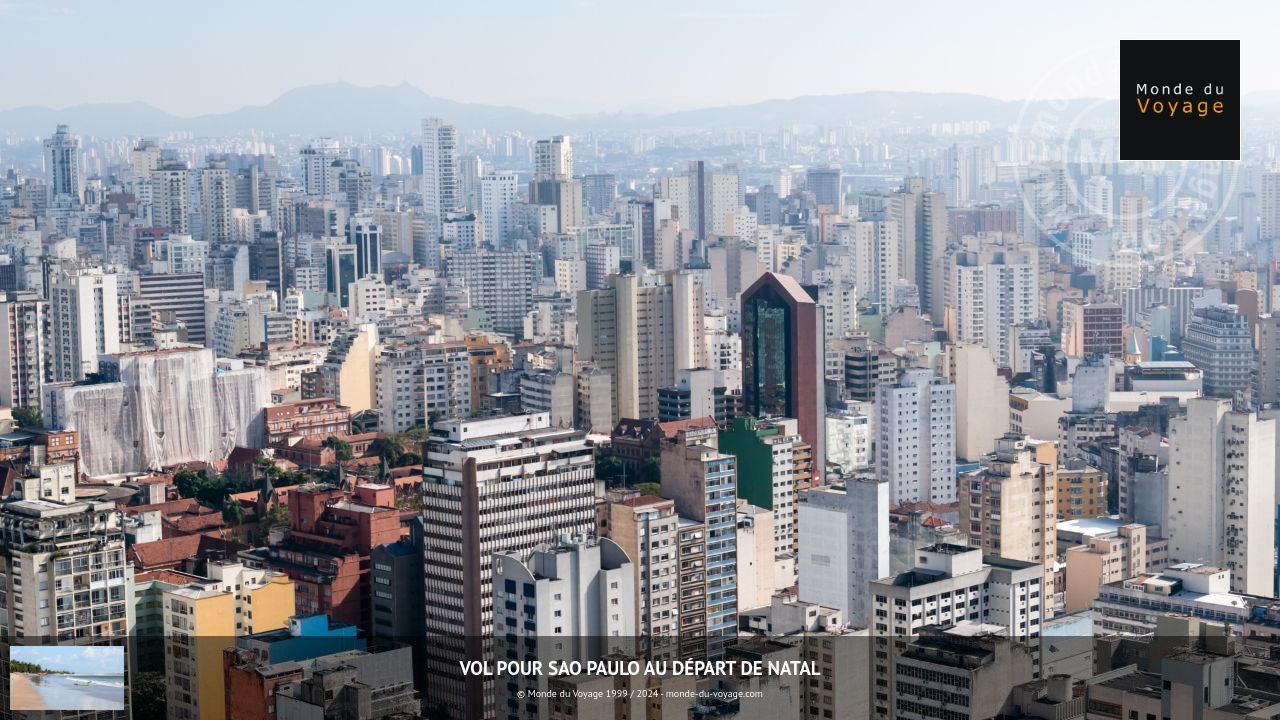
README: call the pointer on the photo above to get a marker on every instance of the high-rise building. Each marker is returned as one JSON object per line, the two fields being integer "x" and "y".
{"x": 499, "y": 193}
{"x": 1269, "y": 207}
{"x": 1008, "y": 506}
{"x": 440, "y": 192}
{"x": 202, "y": 616}
{"x": 782, "y": 357}
{"x": 642, "y": 330}
{"x": 366, "y": 236}
{"x": 62, "y": 162}
{"x": 417, "y": 384}
{"x": 948, "y": 585}
{"x": 772, "y": 463}
{"x": 54, "y": 546}
{"x": 921, "y": 219}
{"x": 1221, "y": 506}
{"x": 844, "y": 544}
{"x": 499, "y": 283}
{"x": 317, "y": 160}
{"x": 500, "y": 484}
{"x": 583, "y": 590}
{"x": 340, "y": 272}
{"x": 84, "y": 321}
{"x": 982, "y": 406}
{"x": 1092, "y": 328}
{"x": 702, "y": 482}
{"x": 170, "y": 204}
{"x": 217, "y": 197}
{"x": 824, "y": 184}
{"x": 1099, "y": 198}
{"x": 1266, "y": 388}
{"x": 177, "y": 297}
{"x": 599, "y": 191}
{"x": 24, "y": 341}
{"x": 1218, "y": 340}
{"x": 916, "y": 448}
{"x": 993, "y": 287}
{"x": 647, "y": 527}
{"x": 553, "y": 158}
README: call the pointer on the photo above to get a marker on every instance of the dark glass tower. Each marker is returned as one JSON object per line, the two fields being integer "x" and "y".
{"x": 782, "y": 358}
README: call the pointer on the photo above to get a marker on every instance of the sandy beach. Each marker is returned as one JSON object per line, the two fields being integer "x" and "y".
{"x": 23, "y": 694}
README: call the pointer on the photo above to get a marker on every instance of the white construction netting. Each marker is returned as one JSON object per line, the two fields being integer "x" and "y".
{"x": 169, "y": 407}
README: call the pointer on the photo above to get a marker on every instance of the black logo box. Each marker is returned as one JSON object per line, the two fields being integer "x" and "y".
{"x": 1187, "y": 68}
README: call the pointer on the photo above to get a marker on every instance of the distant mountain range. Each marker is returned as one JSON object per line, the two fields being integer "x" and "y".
{"x": 345, "y": 109}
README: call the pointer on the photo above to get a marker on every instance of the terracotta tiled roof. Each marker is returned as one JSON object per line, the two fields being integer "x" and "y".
{"x": 167, "y": 553}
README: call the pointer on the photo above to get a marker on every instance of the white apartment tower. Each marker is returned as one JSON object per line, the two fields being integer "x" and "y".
{"x": 439, "y": 173}
{"x": 916, "y": 452}
{"x": 993, "y": 287}
{"x": 844, "y": 544}
{"x": 24, "y": 365}
{"x": 553, "y": 158}
{"x": 84, "y": 321}
{"x": 62, "y": 161}
{"x": 1220, "y": 506}
{"x": 499, "y": 193}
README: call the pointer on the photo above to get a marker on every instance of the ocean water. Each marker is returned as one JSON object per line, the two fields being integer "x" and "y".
{"x": 61, "y": 692}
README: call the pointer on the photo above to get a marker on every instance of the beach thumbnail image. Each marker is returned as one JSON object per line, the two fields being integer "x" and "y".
{"x": 66, "y": 678}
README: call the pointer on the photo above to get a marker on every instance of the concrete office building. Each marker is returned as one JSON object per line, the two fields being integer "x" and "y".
{"x": 480, "y": 478}
{"x": 844, "y": 545}
{"x": 1221, "y": 505}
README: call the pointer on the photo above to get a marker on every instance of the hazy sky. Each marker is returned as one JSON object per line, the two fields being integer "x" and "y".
{"x": 87, "y": 660}
{"x": 576, "y": 56}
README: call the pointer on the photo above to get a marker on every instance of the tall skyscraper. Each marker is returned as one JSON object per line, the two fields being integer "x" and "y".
{"x": 62, "y": 162}
{"x": 782, "y": 358}
{"x": 366, "y": 236}
{"x": 217, "y": 195}
{"x": 84, "y": 321}
{"x": 340, "y": 272}
{"x": 553, "y": 158}
{"x": 24, "y": 367}
{"x": 1221, "y": 502}
{"x": 993, "y": 287}
{"x": 599, "y": 192}
{"x": 703, "y": 483}
{"x": 1099, "y": 198}
{"x": 317, "y": 166}
{"x": 499, "y": 193}
{"x": 1219, "y": 342}
{"x": 440, "y": 193}
{"x": 824, "y": 183}
{"x": 916, "y": 449}
{"x": 502, "y": 484}
{"x": 922, "y": 230}
{"x": 642, "y": 330}
{"x": 1269, "y": 207}
{"x": 170, "y": 204}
